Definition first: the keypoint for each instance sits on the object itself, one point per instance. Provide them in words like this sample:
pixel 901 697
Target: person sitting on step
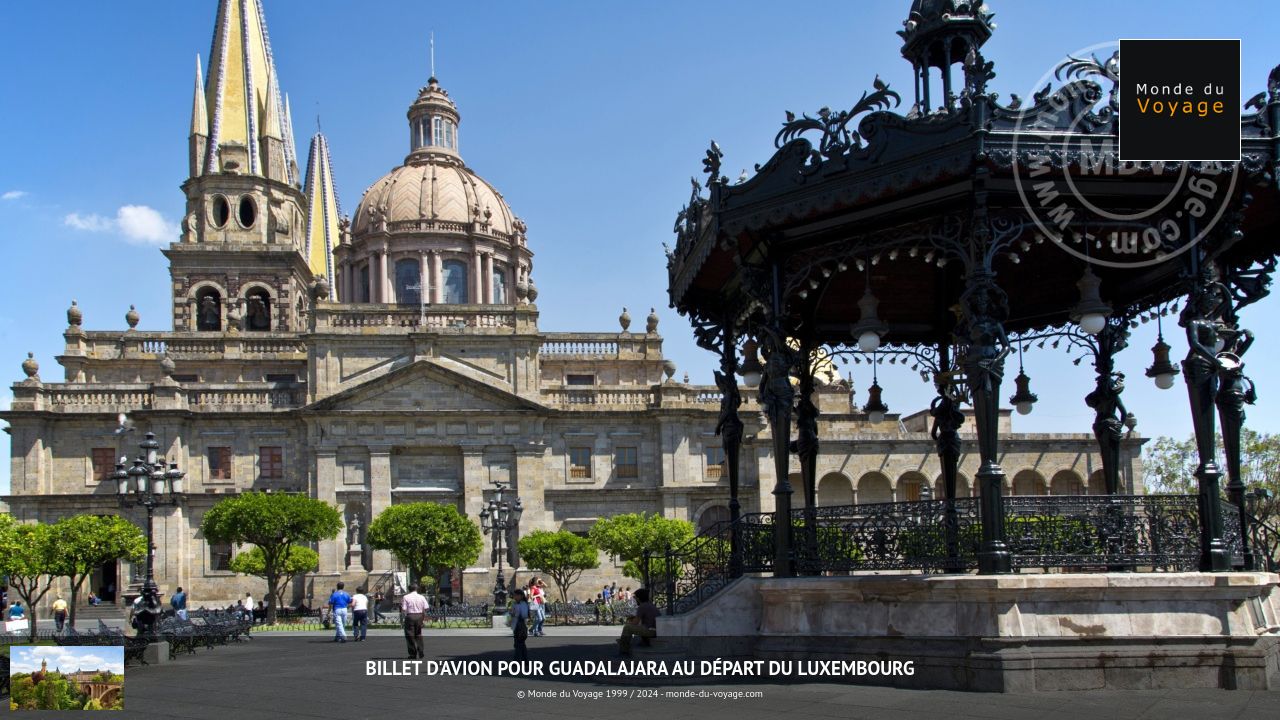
pixel 643 624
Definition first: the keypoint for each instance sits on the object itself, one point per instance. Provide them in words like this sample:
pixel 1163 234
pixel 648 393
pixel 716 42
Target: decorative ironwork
pixel 837 138
pixel 690 574
pixel 1146 532
pixel 890 536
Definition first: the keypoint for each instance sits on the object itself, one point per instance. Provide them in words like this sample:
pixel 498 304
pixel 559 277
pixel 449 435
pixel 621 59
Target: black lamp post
pixel 148 484
pixel 499 518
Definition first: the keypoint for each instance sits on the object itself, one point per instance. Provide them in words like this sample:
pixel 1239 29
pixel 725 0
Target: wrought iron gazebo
pixel 953 235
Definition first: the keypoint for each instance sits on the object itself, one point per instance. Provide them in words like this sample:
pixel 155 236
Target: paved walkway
pixel 310 677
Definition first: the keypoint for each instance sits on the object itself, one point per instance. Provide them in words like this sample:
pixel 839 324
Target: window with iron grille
pixel 271 462
pixel 625 462
pixel 715 462
pixel 580 462
pixel 104 463
pixel 220 557
pixel 219 463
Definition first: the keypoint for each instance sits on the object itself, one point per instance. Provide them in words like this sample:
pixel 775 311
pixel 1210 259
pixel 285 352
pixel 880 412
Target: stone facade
pixel 406 364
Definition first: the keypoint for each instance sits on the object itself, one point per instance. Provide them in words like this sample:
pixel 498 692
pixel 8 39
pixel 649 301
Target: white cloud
pixel 137 224
pixel 13 195
pixel 91 223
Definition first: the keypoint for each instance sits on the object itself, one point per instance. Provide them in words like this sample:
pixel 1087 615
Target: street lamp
pixel 499 518
pixel 148 484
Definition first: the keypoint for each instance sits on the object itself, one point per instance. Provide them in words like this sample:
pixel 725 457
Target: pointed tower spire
pixel 199 137
pixel 242 93
pixel 322 211
pixel 290 147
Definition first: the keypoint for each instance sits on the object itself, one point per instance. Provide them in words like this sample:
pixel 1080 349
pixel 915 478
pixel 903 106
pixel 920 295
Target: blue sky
pixel 588 117
pixel 68 659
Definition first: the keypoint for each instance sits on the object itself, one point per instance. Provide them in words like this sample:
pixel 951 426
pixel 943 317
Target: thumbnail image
pixel 51 677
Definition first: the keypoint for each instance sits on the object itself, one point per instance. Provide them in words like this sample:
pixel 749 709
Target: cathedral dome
pixel 433 193
pixel 434 190
pixel 431 230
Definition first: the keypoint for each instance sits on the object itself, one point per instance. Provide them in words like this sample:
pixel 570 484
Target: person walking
pixel 339 601
pixel 179 603
pixel 359 615
pixel 413 608
pixel 537 605
pixel 59 613
pixel 518 616
pixel 376 607
pixel 246 607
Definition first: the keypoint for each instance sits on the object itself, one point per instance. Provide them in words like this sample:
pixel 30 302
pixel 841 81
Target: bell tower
pixel 241 262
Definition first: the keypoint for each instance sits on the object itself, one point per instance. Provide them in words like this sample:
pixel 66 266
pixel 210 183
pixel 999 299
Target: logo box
pixel 1180 100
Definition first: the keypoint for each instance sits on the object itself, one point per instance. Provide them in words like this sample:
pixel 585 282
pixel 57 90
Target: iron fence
pixel 1084 533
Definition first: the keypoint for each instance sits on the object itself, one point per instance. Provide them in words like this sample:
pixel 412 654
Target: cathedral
pixel 394 356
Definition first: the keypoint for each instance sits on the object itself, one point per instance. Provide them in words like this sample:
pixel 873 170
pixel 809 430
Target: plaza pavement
pixel 306 675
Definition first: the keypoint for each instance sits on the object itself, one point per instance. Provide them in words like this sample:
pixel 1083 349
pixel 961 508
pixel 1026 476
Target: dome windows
pixel 433 131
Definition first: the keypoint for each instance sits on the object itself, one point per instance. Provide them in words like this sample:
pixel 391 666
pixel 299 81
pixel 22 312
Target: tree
pixel 631 536
pixel 562 555
pixel 299 560
pixel 1169 466
pixel 28 556
pixel 84 542
pixel 275 522
pixel 426 537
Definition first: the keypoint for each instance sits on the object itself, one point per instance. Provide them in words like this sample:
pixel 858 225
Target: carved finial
pixel 669 367
pixel 74 315
pixel 624 320
pixel 686 378
pixel 533 292
pixel 167 366
pixel 132 317
pixel 31 367
pixel 651 324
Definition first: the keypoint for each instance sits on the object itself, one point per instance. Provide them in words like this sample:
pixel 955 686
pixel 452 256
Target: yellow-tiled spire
pixel 322 211
pixel 242 97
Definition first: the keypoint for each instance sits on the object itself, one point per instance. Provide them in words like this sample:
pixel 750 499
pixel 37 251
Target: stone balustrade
pixel 581 348
pixel 375 317
pixel 125 398
pixel 701 397
pixel 106 345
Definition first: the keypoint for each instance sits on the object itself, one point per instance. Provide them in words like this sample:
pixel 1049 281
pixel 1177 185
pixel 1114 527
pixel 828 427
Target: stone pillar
pixel 437 272
pixel 379 497
pixel 424 278
pixel 384 286
pixel 332 551
pixel 477 291
pixel 477 580
pixel 488 278
pixel 389 277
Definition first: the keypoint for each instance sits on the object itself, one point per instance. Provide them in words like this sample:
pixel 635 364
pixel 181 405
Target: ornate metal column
pixel 1109 412
pixel 729 428
pixel 806 449
pixel 947 420
pixel 1204 308
pixel 985 306
pixel 777 397
pixel 1235 389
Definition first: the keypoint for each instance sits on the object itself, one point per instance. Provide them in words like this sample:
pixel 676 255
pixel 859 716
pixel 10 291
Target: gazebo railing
pixel 1074 533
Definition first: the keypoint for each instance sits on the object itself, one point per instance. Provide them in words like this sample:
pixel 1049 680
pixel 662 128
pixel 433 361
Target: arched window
pixel 437 130
pixel 257 316
pixel 909 486
pixel 835 489
pixel 454 279
pixel 1029 482
pixel 499 285
pixel 450 139
pixel 711 517
pixel 362 282
pixel 209 310
pixel 408 282
pixel 1066 482
pixel 874 488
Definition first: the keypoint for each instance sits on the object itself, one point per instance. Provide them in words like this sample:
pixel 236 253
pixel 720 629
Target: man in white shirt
pixel 413 609
pixel 359 615
pixel 246 607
